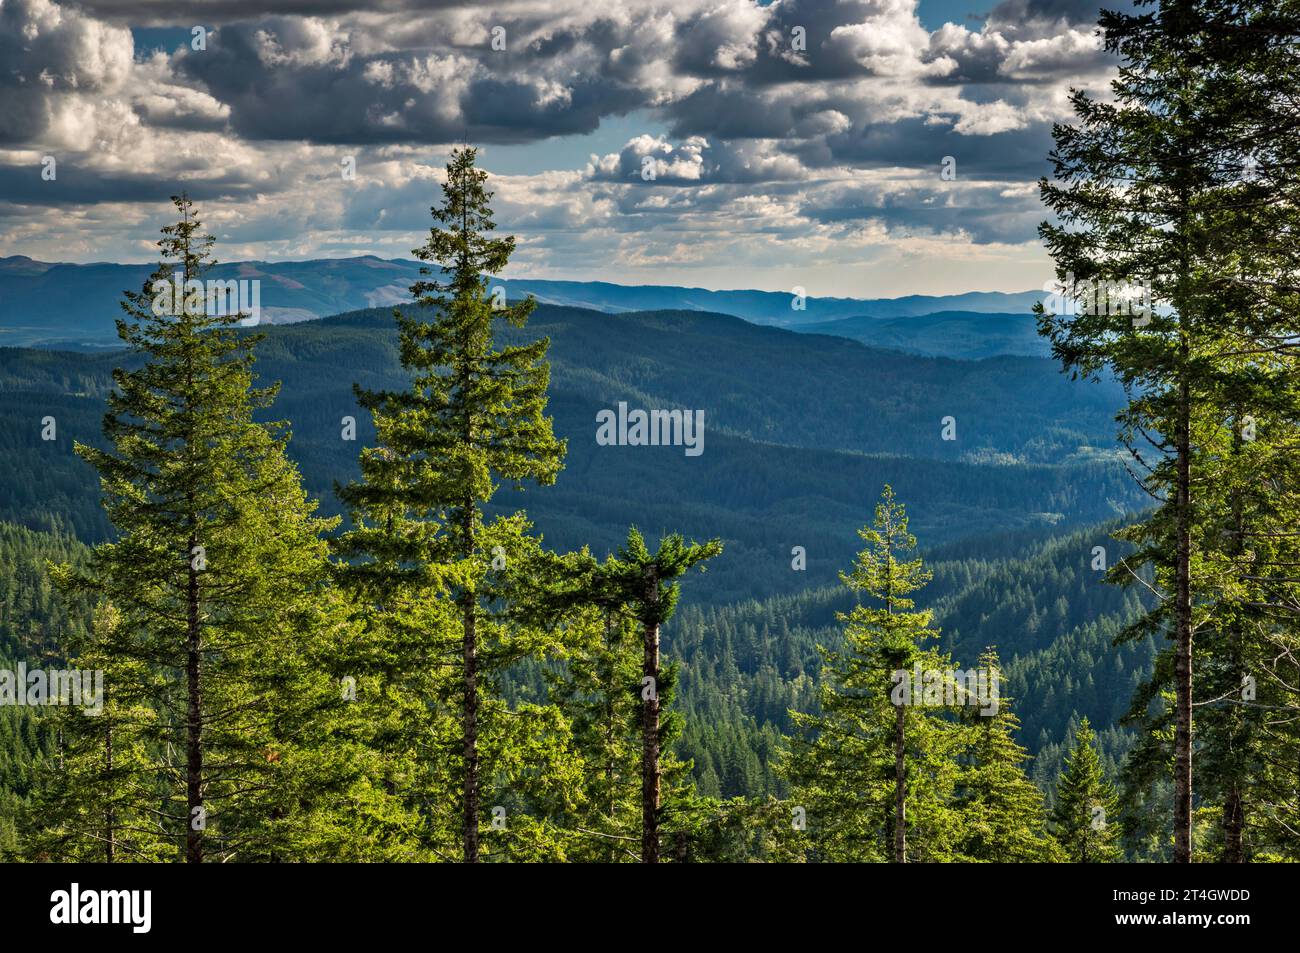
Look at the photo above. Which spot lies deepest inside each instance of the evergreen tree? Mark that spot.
(216, 591)
(95, 797)
(642, 584)
(875, 770)
(1186, 179)
(599, 689)
(1002, 814)
(1137, 196)
(1248, 709)
(473, 416)
(1086, 806)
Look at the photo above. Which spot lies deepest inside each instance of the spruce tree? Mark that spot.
(1187, 179)
(599, 689)
(217, 582)
(1003, 819)
(1086, 805)
(473, 416)
(1136, 197)
(642, 584)
(875, 770)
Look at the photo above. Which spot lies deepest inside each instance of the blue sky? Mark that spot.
(791, 143)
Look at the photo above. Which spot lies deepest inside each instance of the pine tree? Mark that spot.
(1086, 806)
(94, 800)
(473, 416)
(599, 690)
(1188, 178)
(217, 584)
(642, 584)
(875, 771)
(1248, 708)
(1137, 198)
(1002, 815)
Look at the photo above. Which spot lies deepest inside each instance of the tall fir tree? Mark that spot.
(1248, 707)
(599, 689)
(1201, 140)
(473, 416)
(643, 585)
(1003, 819)
(218, 588)
(1084, 819)
(1137, 197)
(875, 770)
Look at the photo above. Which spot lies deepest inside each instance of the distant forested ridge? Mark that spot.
(52, 304)
(797, 432)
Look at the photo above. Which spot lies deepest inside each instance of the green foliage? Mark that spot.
(1084, 819)
(448, 581)
(1002, 815)
(215, 611)
(1155, 184)
(843, 761)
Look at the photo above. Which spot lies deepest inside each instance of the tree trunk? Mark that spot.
(1233, 821)
(194, 810)
(611, 687)
(1234, 806)
(110, 820)
(470, 738)
(650, 733)
(194, 721)
(1183, 634)
(900, 790)
(900, 760)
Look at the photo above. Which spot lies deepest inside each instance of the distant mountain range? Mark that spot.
(802, 430)
(961, 334)
(43, 304)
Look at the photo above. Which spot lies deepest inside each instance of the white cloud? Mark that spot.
(773, 156)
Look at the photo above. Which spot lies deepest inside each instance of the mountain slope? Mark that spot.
(959, 334)
(746, 666)
(45, 304)
(801, 431)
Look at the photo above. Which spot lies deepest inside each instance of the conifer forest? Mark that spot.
(391, 471)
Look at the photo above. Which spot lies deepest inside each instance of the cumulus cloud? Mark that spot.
(654, 160)
(54, 60)
(808, 126)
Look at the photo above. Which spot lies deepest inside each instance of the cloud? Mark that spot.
(780, 130)
(54, 59)
(653, 159)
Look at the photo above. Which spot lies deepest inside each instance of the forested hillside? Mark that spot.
(1000, 458)
(800, 432)
(36, 625)
(962, 334)
(485, 579)
(746, 666)
(1051, 617)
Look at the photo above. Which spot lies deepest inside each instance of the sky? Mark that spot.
(709, 143)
